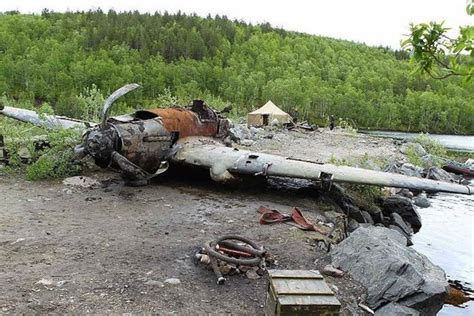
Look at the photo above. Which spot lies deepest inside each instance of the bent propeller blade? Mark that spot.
(112, 98)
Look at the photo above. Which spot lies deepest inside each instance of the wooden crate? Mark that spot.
(299, 292)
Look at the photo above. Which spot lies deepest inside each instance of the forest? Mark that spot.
(62, 59)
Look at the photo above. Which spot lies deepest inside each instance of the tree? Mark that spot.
(440, 56)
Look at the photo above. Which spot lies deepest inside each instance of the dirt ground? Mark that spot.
(110, 248)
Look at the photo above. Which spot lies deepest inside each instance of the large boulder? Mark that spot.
(404, 207)
(379, 259)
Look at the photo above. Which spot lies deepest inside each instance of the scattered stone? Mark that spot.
(422, 201)
(410, 170)
(405, 192)
(378, 258)
(240, 132)
(439, 174)
(252, 274)
(394, 309)
(45, 282)
(154, 283)
(352, 225)
(404, 207)
(367, 218)
(173, 281)
(419, 150)
(331, 271)
(246, 142)
(81, 181)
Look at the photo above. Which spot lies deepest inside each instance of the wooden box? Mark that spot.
(299, 292)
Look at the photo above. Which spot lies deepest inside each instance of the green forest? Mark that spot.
(58, 58)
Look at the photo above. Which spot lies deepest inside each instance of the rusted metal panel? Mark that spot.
(186, 122)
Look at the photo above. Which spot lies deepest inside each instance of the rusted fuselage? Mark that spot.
(146, 137)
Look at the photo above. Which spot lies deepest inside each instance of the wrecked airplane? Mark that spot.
(141, 146)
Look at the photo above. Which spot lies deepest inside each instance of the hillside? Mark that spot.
(56, 57)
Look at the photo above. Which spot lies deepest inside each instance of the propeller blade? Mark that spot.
(112, 98)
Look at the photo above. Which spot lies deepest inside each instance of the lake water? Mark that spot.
(447, 234)
(447, 239)
(451, 142)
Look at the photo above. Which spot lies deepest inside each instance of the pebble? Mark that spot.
(173, 281)
(154, 283)
(332, 271)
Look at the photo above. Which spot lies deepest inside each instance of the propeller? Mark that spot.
(102, 142)
(112, 98)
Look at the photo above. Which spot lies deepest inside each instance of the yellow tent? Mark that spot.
(266, 114)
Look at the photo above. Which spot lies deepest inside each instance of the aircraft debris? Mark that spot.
(296, 219)
(233, 254)
(141, 146)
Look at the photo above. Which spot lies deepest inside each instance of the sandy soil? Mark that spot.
(110, 248)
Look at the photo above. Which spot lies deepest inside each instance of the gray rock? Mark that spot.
(246, 142)
(422, 201)
(419, 150)
(404, 207)
(240, 132)
(154, 283)
(352, 225)
(394, 309)
(378, 258)
(439, 174)
(410, 170)
(274, 122)
(331, 271)
(368, 219)
(173, 281)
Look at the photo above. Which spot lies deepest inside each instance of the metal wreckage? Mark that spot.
(143, 144)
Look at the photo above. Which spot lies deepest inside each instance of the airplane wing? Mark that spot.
(225, 162)
(44, 120)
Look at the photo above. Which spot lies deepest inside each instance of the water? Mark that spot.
(447, 239)
(451, 142)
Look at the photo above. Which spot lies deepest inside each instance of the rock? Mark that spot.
(45, 282)
(274, 122)
(367, 218)
(331, 271)
(173, 281)
(352, 225)
(422, 201)
(394, 309)
(81, 181)
(246, 142)
(419, 150)
(268, 136)
(252, 274)
(377, 258)
(470, 163)
(376, 213)
(439, 174)
(404, 207)
(345, 202)
(240, 132)
(405, 192)
(154, 283)
(410, 170)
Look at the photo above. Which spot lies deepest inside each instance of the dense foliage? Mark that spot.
(60, 57)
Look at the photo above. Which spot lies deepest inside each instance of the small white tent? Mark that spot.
(266, 114)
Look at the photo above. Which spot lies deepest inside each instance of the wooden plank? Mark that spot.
(308, 300)
(295, 274)
(301, 286)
